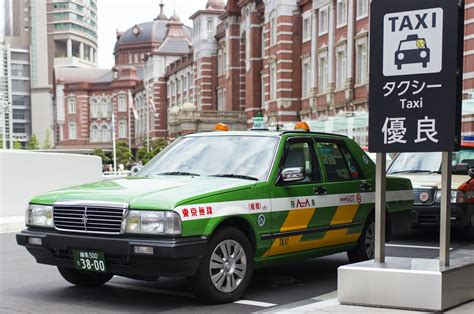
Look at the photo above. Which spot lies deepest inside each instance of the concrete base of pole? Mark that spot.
(409, 283)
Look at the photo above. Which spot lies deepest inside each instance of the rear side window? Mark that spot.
(337, 161)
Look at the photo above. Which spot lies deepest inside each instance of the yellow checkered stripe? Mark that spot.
(299, 220)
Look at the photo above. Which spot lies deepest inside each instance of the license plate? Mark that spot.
(89, 261)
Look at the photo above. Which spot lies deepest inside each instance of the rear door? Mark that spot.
(351, 193)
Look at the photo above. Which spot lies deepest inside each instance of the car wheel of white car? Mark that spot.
(226, 267)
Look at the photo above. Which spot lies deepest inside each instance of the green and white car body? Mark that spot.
(287, 195)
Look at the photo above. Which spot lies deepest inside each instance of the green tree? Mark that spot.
(17, 145)
(47, 140)
(156, 146)
(105, 158)
(33, 143)
(123, 153)
(1, 141)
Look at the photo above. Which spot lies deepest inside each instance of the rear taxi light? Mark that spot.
(467, 189)
(221, 127)
(302, 126)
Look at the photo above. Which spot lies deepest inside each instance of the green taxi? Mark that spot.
(213, 207)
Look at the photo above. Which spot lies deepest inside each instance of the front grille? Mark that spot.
(89, 218)
(418, 191)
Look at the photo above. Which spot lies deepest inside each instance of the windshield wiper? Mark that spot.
(236, 176)
(178, 173)
(415, 171)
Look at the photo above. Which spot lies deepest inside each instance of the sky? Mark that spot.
(124, 14)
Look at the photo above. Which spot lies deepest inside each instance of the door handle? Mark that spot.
(365, 187)
(320, 190)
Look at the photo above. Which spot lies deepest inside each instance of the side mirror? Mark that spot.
(461, 168)
(135, 170)
(471, 172)
(293, 174)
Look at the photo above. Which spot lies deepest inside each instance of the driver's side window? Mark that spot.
(299, 154)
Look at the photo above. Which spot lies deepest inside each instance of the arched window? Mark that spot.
(72, 130)
(94, 109)
(105, 108)
(94, 133)
(106, 133)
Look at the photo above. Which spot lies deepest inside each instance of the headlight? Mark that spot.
(39, 216)
(457, 196)
(401, 56)
(153, 222)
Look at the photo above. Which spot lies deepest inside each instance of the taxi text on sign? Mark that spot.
(415, 75)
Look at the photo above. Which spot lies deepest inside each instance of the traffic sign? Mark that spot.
(415, 75)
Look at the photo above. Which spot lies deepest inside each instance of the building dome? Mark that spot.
(215, 5)
(175, 18)
(188, 107)
(149, 33)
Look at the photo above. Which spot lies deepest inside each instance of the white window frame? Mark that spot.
(220, 64)
(306, 77)
(365, 13)
(94, 133)
(72, 126)
(105, 133)
(121, 103)
(210, 25)
(323, 23)
(273, 29)
(273, 81)
(71, 105)
(361, 77)
(122, 133)
(341, 66)
(307, 27)
(322, 72)
(342, 23)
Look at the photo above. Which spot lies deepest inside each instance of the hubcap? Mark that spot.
(370, 241)
(228, 266)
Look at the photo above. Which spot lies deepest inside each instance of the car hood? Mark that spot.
(164, 192)
(431, 179)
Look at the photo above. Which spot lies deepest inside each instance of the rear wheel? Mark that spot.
(226, 268)
(365, 248)
(468, 231)
(84, 279)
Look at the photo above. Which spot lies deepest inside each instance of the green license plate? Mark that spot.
(89, 261)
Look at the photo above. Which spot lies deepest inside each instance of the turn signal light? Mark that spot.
(221, 127)
(302, 126)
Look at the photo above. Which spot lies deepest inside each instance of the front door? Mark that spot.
(294, 204)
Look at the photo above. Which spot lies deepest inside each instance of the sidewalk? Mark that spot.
(12, 224)
(333, 306)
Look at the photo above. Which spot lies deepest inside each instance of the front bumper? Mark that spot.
(461, 215)
(172, 257)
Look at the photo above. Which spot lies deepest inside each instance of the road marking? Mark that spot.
(152, 290)
(414, 246)
(254, 303)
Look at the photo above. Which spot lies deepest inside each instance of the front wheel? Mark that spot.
(226, 268)
(84, 279)
(365, 248)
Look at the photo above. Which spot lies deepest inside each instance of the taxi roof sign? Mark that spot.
(302, 126)
(221, 127)
(259, 123)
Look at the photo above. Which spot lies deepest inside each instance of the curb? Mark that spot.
(12, 224)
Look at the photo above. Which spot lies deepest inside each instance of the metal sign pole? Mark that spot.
(380, 188)
(445, 219)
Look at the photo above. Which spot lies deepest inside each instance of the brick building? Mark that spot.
(289, 59)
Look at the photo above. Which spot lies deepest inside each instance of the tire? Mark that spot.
(231, 276)
(365, 248)
(84, 279)
(468, 230)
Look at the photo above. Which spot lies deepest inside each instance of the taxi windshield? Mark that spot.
(408, 45)
(232, 156)
(427, 162)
